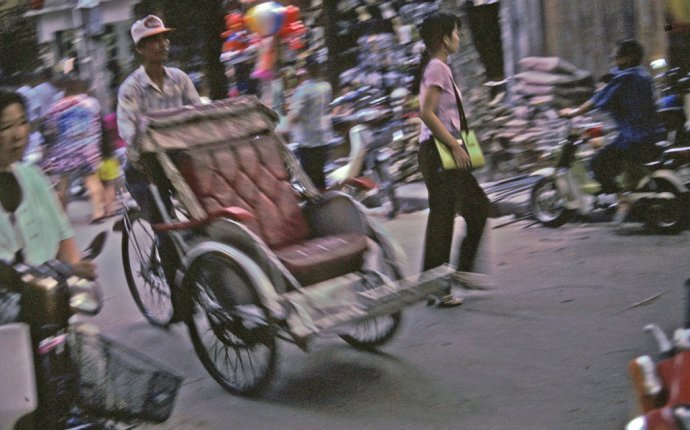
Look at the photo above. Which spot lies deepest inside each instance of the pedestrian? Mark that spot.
(153, 86)
(73, 127)
(629, 98)
(110, 172)
(310, 122)
(454, 190)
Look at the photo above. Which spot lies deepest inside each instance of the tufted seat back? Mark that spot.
(252, 175)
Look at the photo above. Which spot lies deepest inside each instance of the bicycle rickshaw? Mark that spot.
(264, 255)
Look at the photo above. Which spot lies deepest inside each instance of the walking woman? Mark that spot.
(449, 190)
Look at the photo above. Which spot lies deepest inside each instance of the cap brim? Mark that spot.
(156, 32)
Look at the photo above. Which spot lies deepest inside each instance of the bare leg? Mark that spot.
(109, 194)
(96, 195)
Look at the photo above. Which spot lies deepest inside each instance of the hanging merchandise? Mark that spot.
(259, 35)
(266, 19)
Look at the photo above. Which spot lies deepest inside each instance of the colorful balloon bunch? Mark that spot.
(259, 26)
(235, 37)
(267, 19)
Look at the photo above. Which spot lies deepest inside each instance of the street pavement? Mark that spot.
(547, 348)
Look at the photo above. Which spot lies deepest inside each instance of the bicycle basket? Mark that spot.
(117, 382)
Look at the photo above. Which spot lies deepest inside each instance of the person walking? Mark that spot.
(311, 121)
(72, 129)
(449, 190)
(151, 87)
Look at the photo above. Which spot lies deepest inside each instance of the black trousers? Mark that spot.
(138, 186)
(451, 192)
(313, 160)
(610, 161)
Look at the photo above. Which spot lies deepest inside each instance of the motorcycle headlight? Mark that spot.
(639, 423)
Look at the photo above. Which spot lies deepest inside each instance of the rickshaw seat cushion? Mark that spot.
(250, 175)
(324, 258)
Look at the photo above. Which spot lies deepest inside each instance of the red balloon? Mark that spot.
(297, 28)
(234, 21)
(291, 14)
(296, 44)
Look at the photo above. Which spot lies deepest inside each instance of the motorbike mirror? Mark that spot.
(96, 246)
(86, 296)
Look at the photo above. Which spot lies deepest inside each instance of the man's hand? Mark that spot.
(567, 112)
(85, 269)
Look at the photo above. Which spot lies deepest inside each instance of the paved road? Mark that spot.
(548, 349)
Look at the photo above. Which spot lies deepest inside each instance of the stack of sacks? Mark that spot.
(533, 126)
(551, 81)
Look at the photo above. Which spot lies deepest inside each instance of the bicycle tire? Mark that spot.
(146, 296)
(371, 333)
(217, 306)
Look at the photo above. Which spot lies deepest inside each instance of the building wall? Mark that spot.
(583, 32)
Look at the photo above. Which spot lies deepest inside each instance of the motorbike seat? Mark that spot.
(251, 174)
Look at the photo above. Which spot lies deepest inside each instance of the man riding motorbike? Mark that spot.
(33, 226)
(629, 98)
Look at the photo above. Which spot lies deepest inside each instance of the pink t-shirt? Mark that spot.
(438, 74)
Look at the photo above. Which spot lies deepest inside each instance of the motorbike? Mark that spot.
(658, 196)
(364, 117)
(661, 384)
(671, 105)
(61, 375)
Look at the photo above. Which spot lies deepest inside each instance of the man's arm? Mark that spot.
(190, 95)
(600, 100)
(128, 108)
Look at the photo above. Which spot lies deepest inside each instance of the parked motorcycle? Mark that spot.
(659, 197)
(57, 375)
(661, 384)
(671, 105)
(363, 116)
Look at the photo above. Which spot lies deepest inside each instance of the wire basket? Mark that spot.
(117, 382)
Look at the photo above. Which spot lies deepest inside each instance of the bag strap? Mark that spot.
(461, 111)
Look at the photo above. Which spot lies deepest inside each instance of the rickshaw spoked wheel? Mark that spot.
(229, 328)
(371, 333)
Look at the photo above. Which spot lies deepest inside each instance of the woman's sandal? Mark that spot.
(447, 301)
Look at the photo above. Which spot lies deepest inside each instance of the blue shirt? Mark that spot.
(629, 98)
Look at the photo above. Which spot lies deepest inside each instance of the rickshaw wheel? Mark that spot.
(371, 333)
(144, 273)
(229, 327)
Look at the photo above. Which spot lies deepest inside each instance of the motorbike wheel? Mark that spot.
(371, 333)
(144, 272)
(667, 216)
(238, 352)
(547, 204)
(386, 193)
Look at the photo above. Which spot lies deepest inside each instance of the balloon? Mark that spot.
(234, 21)
(265, 19)
(291, 14)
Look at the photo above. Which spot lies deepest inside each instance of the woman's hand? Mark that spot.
(462, 159)
(85, 269)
